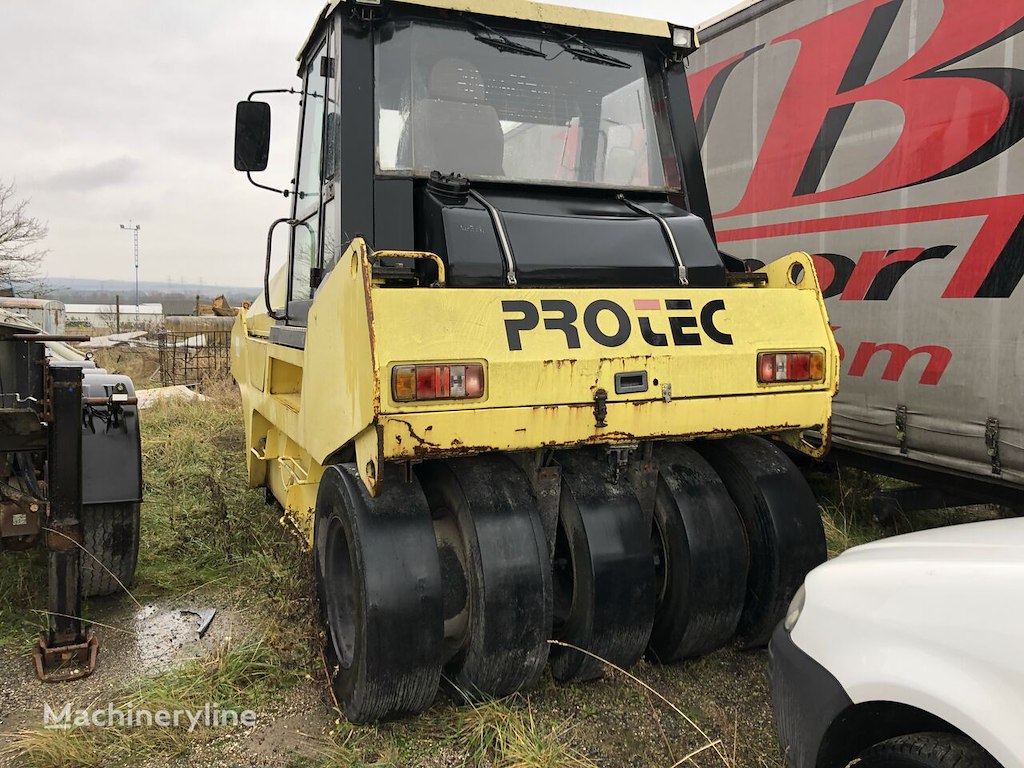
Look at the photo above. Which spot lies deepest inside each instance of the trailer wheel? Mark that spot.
(496, 573)
(783, 527)
(603, 571)
(110, 535)
(701, 558)
(379, 586)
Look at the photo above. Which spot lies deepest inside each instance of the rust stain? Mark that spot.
(558, 363)
(421, 442)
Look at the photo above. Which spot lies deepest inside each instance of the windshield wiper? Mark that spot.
(497, 40)
(586, 52)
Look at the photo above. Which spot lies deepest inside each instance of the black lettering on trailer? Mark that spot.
(842, 269)
(590, 315)
(563, 323)
(514, 327)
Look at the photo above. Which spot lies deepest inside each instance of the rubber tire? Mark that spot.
(784, 531)
(604, 541)
(378, 580)
(506, 583)
(705, 558)
(110, 532)
(927, 750)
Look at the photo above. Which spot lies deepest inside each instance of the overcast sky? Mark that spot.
(118, 110)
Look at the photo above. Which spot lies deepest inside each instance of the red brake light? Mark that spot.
(437, 381)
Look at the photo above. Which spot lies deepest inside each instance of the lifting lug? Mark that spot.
(600, 408)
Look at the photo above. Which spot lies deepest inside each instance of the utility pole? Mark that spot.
(134, 229)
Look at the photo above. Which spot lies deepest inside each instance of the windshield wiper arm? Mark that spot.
(586, 52)
(503, 43)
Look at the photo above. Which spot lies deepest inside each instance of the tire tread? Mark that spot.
(927, 750)
(110, 533)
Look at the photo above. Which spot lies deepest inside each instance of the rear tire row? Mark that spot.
(450, 577)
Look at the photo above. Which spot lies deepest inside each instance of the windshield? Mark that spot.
(551, 108)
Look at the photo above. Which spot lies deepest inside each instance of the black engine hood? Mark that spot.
(565, 239)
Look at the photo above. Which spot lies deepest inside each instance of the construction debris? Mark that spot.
(112, 340)
(150, 397)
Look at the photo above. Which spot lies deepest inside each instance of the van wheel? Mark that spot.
(110, 536)
(927, 750)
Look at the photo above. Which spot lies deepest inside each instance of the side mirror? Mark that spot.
(252, 135)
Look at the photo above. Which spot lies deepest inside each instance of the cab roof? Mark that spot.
(527, 10)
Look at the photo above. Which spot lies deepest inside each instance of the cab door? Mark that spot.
(314, 204)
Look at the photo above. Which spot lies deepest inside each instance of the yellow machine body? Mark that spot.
(333, 401)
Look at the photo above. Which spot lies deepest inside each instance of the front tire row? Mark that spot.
(448, 575)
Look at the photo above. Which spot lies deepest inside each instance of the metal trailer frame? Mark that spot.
(44, 421)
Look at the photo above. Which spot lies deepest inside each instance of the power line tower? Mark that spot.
(134, 229)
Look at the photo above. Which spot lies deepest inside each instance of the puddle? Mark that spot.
(154, 637)
(135, 642)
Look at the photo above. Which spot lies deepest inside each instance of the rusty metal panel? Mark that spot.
(456, 433)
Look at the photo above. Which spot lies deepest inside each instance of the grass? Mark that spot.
(22, 583)
(235, 678)
(509, 733)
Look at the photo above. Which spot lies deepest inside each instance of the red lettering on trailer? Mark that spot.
(899, 356)
(699, 82)
(991, 267)
(940, 136)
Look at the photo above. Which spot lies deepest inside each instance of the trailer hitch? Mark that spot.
(113, 406)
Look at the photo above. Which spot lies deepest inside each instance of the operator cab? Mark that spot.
(522, 152)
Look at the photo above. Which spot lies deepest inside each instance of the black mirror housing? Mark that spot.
(252, 135)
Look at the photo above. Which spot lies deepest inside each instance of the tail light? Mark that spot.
(437, 381)
(778, 367)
